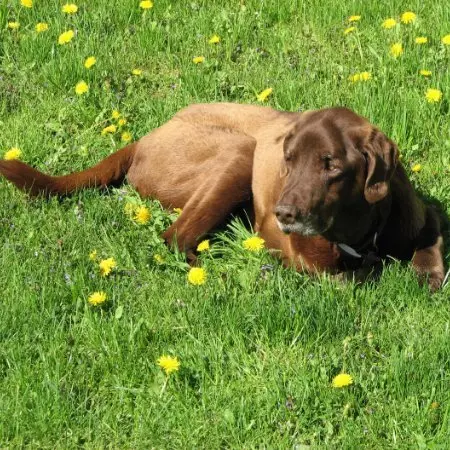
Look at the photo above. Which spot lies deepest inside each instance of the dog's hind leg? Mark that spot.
(227, 185)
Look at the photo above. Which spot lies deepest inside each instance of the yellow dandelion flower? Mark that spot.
(12, 154)
(106, 266)
(354, 18)
(349, 30)
(197, 276)
(69, 8)
(408, 17)
(262, 96)
(421, 40)
(27, 3)
(389, 23)
(203, 246)
(168, 363)
(396, 49)
(355, 77)
(416, 168)
(425, 72)
(115, 114)
(121, 122)
(433, 95)
(97, 298)
(434, 405)
(342, 380)
(41, 27)
(253, 243)
(142, 215)
(158, 258)
(81, 88)
(66, 37)
(146, 4)
(13, 25)
(126, 136)
(136, 72)
(198, 59)
(365, 76)
(109, 129)
(89, 62)
(214, 39)
(446, 39)
(177, 211)
(93, 255)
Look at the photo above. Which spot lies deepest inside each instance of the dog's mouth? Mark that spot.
(306, 227)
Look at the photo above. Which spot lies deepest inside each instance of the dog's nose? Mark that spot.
(286, 214)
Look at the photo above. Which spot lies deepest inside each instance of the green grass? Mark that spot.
(258, 350)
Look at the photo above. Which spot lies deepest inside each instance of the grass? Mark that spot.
(258, 348)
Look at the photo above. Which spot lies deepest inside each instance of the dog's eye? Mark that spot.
(330, 165)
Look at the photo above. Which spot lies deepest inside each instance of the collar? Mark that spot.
(367, 252)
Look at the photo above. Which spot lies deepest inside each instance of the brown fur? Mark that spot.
(328, 176)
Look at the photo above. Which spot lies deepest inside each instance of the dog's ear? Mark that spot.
(382, 157)
(286, 144)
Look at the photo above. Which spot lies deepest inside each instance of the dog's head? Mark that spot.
(335, 167)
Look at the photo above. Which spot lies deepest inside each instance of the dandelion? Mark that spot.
(203, 246)
(69, 8)
(198, 59)
(177, 211)
(146, 4)
(81, 88)
(446, 39)
(408, 17)
(66, 37)
(106, 266)
(121, 122)
(349, 30)
(97, 298)
(433, 95)
(425, 72)
(89, 62)
(126, 136)
(136, 72)
(365, 76)
(41, 27)
(197, 276)
(158, 258)
(27, 3)
(362, 76)
(354, 18)
(93, 255)
(214, 39)
(108, 129)
(416, 168)
(253, 244)
(169, 364)
(421, 40)
(342, 380)
(142, 215)
(12, 154)
(396, 49)
(13, 25)
(434, 405)
(115, 114)
(262, 96)
(389, 23)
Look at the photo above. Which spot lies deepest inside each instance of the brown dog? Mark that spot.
(327, 188)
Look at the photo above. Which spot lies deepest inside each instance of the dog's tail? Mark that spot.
(109, 172)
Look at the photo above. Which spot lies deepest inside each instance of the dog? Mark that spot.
(327, 189)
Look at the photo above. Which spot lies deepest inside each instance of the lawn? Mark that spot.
(258, 344)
